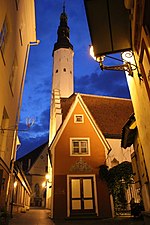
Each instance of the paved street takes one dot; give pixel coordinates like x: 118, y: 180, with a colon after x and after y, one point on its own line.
x: 32, y: 217
x: 41, y: 217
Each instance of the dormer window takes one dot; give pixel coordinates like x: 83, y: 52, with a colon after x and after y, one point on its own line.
x: 78, y: 118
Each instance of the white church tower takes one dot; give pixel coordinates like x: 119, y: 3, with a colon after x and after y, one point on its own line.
x: 62, y: 77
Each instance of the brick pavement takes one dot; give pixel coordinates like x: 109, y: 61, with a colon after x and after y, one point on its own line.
x: 41, y: 217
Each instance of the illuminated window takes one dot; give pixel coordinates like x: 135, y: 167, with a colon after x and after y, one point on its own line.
x: 80, y: 146
x: 78, y: 118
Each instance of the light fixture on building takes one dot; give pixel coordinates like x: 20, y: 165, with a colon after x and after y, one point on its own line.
x: 110, y: 30
x: 48, y: 180
x: 125, y: 66
x: 44, y: 184
x: 47, y: 176
x: 15, y: 184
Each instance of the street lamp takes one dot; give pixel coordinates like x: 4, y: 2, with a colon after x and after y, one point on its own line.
x: 47, y: 176
x: 110, y: 30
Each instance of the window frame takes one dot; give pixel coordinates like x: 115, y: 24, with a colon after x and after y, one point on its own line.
x: 17, y: 4
x: 80, y: 140
x: 13, y: 74
x: 78, y: 115
x: 3, y: 37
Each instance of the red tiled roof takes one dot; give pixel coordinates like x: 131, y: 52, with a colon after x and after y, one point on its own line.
x: 110, y: 114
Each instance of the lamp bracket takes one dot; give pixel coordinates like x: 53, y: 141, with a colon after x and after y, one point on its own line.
x: 124, y: 67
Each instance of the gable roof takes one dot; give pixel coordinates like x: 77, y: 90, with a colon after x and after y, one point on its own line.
x: 110, y: 114
x: 31, y: 155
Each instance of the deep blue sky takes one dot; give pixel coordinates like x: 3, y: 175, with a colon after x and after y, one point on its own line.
x: 87, y: 74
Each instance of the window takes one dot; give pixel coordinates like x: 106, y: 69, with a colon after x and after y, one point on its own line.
x: 146, y: 20
x: 29, y: 163
x: 20, y: 35
x: 3, y: 35
x: 3, y: 38
x: 4, y: 132
x: 80, y: 146
x: 64, y: 69
x: 78, y: 118
x: 46, y: 169
x: 17, y: 4
x: 4, y: 122
x: 13, y: 73
x: 56, y: 71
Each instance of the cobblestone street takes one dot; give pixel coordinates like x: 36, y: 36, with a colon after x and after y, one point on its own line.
x: 41, y: 217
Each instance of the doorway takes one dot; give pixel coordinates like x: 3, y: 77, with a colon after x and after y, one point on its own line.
x: 82, y: 199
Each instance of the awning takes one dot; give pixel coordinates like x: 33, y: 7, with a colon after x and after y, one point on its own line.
x: 109, y: 26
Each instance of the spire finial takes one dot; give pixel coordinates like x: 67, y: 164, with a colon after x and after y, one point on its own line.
x: 64, y: 6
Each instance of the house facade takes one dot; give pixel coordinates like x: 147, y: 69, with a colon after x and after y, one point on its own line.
x: 20, y: 201
x: 78, y: 149
x: 35, y: 167
x: 17, y: 31
x: 140, y: 89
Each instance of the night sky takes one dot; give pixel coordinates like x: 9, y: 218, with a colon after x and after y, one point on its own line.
x: 88, y: 77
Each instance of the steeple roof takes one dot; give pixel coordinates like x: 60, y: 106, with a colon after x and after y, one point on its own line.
x: 63, y: 32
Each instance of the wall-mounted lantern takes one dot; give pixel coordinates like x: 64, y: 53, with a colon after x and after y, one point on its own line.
x: 110, y: 30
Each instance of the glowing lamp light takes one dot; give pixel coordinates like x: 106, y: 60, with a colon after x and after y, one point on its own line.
x: 15, y: 184
x: 47, y: 176
x: 92, y: 52
x: 43, y: 184
x: 23, y: 183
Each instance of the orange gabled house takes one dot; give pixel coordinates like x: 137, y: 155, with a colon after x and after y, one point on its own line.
x: 78, y: 149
